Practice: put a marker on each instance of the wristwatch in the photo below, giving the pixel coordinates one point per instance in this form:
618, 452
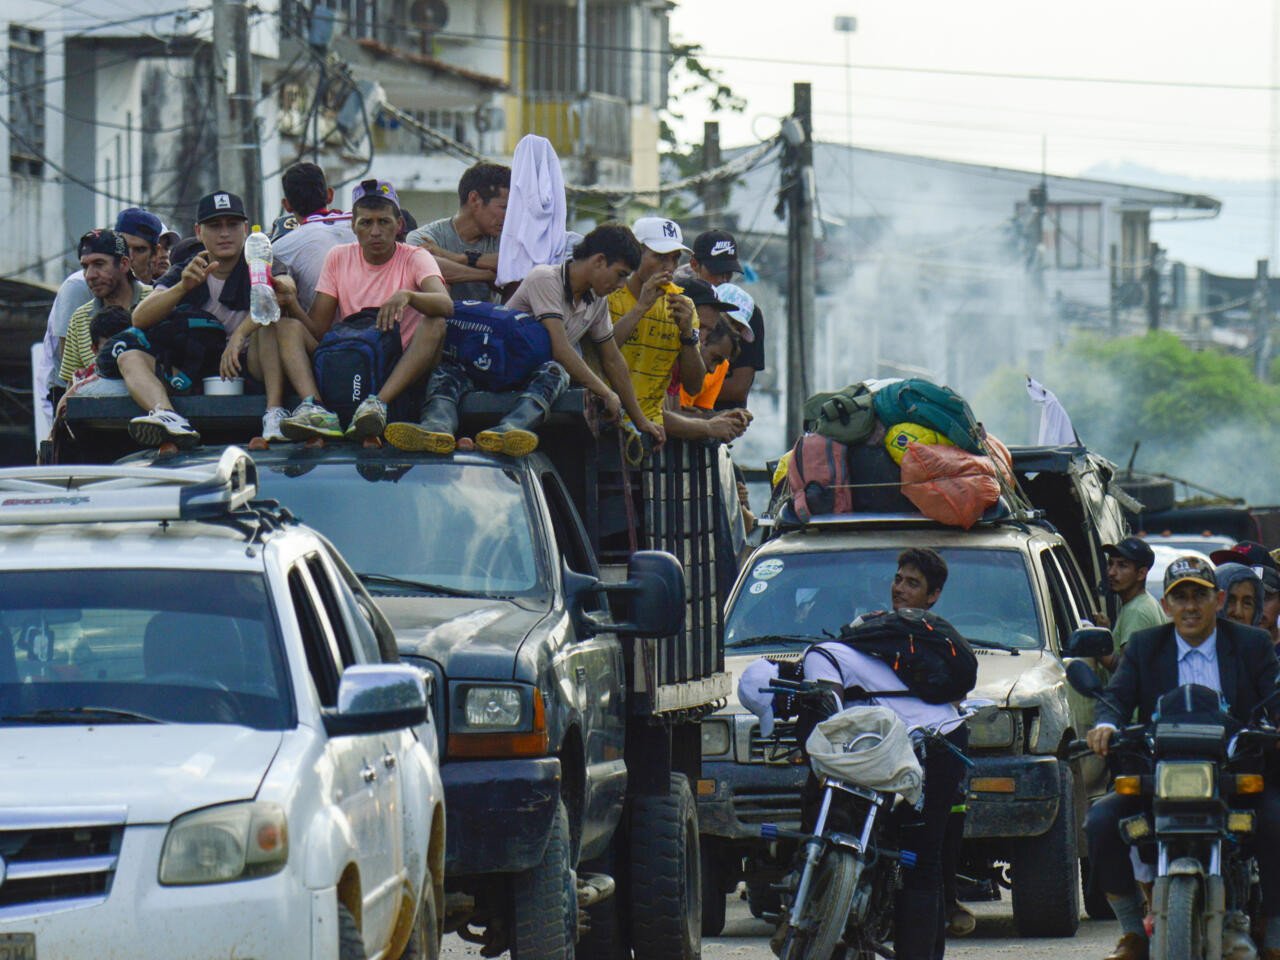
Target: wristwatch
473, 257
690, 340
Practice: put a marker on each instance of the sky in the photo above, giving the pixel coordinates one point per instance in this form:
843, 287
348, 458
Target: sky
1205, 132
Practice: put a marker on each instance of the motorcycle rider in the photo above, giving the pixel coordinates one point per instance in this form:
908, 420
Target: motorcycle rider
1195, 647
919, 912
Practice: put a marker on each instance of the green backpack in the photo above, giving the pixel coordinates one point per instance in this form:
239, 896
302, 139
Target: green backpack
845, 415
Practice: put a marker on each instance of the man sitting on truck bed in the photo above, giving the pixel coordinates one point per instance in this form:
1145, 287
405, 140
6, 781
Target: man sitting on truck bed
196, 318
401, 282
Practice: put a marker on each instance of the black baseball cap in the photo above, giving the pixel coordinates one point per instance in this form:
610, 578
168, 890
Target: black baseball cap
102, 241
717, 251
220, 203
704, 295
1247, 552
1132, 548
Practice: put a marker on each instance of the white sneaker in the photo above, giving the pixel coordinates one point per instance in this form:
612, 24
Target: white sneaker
271, 421
163, 426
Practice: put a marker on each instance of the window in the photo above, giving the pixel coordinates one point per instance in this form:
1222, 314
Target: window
553, 49
332, 608
1073, 235
322, 655
26, 101
1063, 612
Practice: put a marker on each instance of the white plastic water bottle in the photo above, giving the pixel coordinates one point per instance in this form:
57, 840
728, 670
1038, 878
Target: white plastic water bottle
262, 295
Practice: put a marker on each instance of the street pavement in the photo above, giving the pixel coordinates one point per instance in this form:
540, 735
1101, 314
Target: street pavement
746, 938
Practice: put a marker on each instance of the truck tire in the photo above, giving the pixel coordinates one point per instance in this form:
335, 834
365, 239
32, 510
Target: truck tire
424, 941
1184, 925
544, 901
713, 892
350, 941
1046, 878
1096, 904
666, 887
1154, 493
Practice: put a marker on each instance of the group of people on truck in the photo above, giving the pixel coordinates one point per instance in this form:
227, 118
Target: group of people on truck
668, 349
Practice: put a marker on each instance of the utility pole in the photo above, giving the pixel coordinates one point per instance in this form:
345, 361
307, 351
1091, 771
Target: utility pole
245, 100
1261, 309
798, 157
233, 101
227, 177
712, 193
1113, 307
1151, 277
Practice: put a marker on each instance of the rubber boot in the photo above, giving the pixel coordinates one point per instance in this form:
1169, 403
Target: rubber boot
434, 431
515, 435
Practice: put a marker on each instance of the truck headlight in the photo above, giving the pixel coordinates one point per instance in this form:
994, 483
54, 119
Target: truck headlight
715, 738
237, 841
496, 720
493, 708
997, 731
1184, 780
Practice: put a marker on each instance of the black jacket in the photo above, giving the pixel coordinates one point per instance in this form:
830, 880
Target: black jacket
1247, 669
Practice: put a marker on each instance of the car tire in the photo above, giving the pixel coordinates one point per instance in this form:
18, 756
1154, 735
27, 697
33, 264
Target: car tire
544, 900
713, 892
1096, 904
1046, 878
424, 941
350, 940
666, 886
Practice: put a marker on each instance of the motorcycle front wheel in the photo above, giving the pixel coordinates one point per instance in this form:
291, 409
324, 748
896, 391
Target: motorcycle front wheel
827, 908
1184, 926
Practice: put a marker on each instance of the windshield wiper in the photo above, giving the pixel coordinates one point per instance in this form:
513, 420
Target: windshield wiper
772, 638
82, 715
991, 645
417, 586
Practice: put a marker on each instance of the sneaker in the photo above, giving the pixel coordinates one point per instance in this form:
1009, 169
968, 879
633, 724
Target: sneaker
271, 421
163, 426
310, 420
369, 420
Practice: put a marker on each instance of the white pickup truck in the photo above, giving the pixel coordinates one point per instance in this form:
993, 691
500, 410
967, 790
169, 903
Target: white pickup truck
209, 747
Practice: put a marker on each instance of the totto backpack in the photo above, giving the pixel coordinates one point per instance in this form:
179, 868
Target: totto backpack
353, 360
846, 415
818, 476
499, 348
919, 401
925, 651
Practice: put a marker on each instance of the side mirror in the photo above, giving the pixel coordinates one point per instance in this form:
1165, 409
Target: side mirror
650, 602
1090, 642
979, 708
377, 698
1083, 679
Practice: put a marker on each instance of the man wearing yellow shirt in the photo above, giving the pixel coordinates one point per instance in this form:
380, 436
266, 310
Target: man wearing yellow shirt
655, 329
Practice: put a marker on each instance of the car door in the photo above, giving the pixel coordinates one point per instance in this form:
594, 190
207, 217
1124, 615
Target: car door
595, 669
362, 787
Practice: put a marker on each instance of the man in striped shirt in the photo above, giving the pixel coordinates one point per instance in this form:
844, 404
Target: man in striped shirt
104, 256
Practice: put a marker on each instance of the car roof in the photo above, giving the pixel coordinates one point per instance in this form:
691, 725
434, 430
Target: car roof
300, 454
1003, 537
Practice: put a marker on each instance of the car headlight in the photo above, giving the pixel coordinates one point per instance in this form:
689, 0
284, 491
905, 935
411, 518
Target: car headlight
493, 708
715, 738
1184, 780
497, 720
996, 731
237, 841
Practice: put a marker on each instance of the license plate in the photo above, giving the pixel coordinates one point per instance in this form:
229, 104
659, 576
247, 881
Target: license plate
17, 946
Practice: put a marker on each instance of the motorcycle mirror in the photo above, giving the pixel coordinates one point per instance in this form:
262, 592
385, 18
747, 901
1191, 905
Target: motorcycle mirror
1090, 642
1083, 679
979, 708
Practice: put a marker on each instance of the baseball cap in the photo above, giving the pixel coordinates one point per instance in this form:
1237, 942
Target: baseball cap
1246, 552
1132, 548
219, 204
659, 234
102, 241
743, 306
374, 188
717, 251
703, 294
140, 223
1189, 570
759, 673
168, 233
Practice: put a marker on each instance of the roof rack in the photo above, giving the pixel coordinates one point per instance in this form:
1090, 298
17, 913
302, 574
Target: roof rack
1000, 513
87, 493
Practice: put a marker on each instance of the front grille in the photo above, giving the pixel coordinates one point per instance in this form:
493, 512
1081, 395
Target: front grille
57, 858
781, 748
757, 806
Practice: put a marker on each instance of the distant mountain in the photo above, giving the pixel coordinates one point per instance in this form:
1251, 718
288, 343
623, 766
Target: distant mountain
1231, 243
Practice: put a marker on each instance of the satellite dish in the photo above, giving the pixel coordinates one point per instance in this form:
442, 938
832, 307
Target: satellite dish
429, 16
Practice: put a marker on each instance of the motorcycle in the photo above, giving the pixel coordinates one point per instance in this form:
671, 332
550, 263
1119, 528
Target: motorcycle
1198, 769
842, 895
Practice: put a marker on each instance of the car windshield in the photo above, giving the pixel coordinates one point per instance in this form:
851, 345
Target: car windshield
405, 528
790, 599
140, 646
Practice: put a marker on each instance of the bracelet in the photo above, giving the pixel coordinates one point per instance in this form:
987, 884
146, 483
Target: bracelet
691, 340
473, 257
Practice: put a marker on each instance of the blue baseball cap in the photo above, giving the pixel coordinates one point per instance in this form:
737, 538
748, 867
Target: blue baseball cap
140, 223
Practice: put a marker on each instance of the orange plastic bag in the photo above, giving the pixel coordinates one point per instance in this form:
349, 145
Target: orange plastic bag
949, 485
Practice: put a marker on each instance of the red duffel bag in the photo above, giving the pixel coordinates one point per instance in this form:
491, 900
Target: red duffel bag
947, 484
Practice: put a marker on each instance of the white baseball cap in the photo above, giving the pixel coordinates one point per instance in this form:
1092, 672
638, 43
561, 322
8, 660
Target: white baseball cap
759, 674
744, 304
659, 234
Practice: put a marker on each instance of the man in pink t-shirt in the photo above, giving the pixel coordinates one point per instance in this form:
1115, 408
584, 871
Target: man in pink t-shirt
403, 283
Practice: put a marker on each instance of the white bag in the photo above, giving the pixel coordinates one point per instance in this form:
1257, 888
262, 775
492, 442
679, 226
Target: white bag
867, 746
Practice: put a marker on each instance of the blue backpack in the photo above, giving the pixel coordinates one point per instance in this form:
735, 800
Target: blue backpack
353, 360
499, 348
941, 408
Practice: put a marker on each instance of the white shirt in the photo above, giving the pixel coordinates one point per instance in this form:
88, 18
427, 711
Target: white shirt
859, 669
1199, 664
302, 250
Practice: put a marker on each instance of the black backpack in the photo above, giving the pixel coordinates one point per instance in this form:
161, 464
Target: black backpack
925, 651
353, 361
